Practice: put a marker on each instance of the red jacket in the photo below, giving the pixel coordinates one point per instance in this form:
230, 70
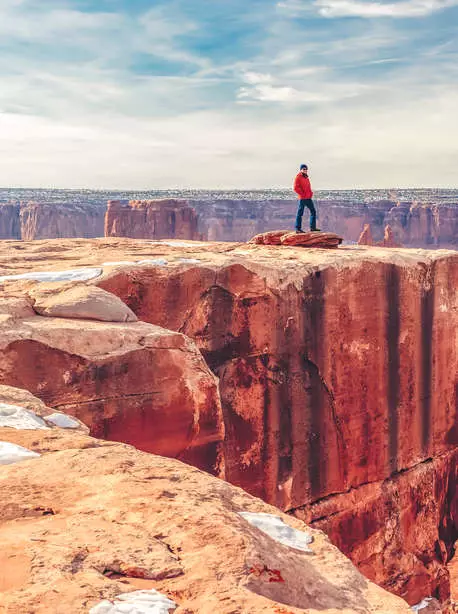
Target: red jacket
302, 186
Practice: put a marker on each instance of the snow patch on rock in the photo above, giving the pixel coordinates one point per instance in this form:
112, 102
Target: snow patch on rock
11, 453
16, 417
189, 260
70, 275
274, 527
63, 421
174, 244
119, 263
138, 602
155, 261
425, 603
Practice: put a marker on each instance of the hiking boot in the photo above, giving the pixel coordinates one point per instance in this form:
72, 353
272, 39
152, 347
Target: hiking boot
315, 229
298, 232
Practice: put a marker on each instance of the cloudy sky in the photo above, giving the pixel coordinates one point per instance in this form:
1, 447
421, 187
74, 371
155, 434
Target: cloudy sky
228, 93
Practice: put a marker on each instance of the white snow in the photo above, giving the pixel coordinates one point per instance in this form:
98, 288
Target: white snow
70, 275
19, 418
174, 244
62, 420
117, 263
274, 527
156, 261
189, 260
138, 602
11, 453
423, 604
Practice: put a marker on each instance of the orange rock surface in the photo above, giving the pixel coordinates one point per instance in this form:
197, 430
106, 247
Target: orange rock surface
90, 520
151, 219
337, 374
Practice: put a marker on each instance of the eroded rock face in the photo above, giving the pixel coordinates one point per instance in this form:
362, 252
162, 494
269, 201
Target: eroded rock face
131, 382
10, 226
333, 374
151, 219
87, 523
56, 220
337, 374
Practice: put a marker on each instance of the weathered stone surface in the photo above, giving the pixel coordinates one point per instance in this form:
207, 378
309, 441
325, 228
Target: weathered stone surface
131, 382
10, 226
323, 240
337, 371
273, 237
56, 220
90, 520
83, 302
151, 219
366, 237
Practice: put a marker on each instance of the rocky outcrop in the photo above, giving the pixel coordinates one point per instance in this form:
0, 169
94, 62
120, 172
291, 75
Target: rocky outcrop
10, 226
366, 237
130, 382
151, 219
323, 240
337, 373
61, 220
86, 524
82, 302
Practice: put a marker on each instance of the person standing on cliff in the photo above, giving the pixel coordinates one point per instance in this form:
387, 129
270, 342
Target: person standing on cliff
303, 190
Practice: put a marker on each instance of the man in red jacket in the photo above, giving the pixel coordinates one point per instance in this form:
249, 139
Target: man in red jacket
303, 189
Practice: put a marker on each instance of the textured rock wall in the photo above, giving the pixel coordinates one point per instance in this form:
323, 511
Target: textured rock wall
151, 219
10, 227
331, 379
84, 522
61, 220
129, 382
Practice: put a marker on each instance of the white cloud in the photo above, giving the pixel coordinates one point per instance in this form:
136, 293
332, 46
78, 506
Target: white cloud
369, 9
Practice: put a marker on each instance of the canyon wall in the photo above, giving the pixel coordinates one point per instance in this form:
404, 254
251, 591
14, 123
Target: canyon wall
413, 224
61, 220
337, 377
333, 376
151, 219
10, 226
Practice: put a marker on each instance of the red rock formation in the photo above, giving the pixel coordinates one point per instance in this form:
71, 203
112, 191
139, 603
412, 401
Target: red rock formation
61, 220
151, 219
129, 382
337, 375
322, 392
90, 520
366, 238
10, 227
388, 238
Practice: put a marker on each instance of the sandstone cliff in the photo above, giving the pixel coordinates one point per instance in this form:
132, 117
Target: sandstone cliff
151, 219
61, 220
86, 524
337, 374
10, 227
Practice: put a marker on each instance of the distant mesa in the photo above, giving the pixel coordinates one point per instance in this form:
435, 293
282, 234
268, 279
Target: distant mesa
151, 219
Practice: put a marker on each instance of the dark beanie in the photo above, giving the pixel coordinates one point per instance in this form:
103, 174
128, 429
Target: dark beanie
303, 166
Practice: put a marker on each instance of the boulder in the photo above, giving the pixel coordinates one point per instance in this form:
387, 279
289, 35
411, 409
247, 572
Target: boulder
83, 302
273, 237
324, 240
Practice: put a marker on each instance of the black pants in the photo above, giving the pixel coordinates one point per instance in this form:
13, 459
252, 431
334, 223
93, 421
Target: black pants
306, 202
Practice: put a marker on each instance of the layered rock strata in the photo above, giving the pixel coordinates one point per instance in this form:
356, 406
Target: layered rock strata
151, 219
131, 382
61, 220
87, 524
337, 373
10, 225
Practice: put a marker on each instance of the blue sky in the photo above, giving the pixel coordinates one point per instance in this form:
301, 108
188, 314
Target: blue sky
228, 93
